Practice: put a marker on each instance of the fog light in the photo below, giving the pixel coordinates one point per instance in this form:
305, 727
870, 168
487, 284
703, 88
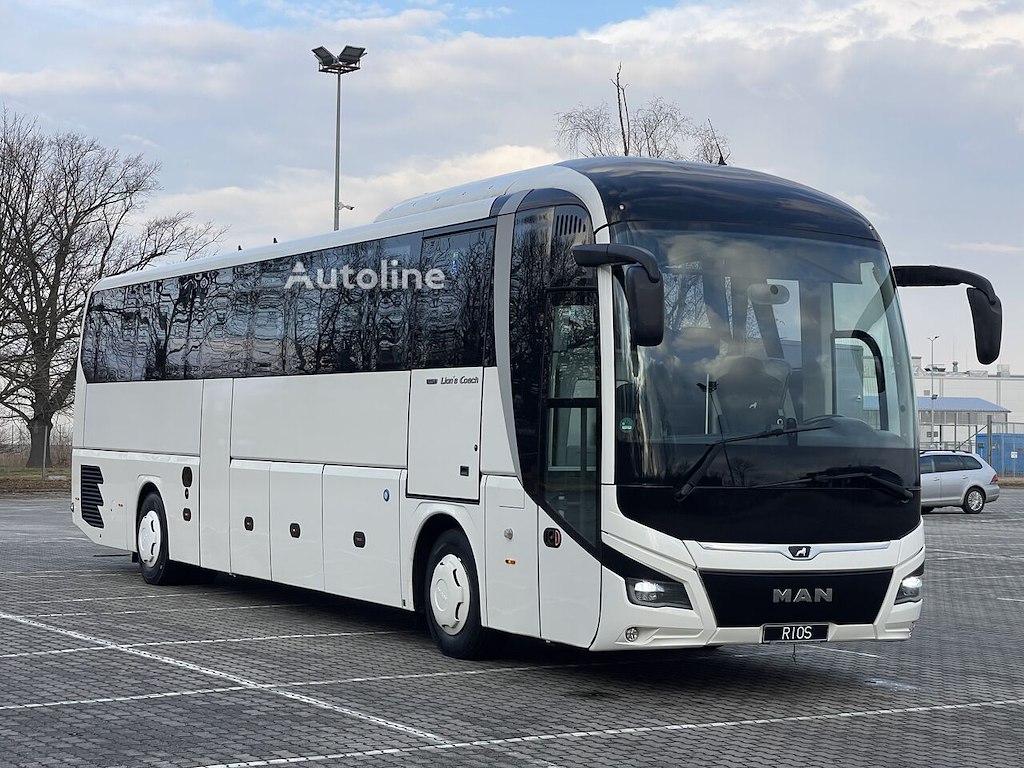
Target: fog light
910, 587
657, 594
632, 634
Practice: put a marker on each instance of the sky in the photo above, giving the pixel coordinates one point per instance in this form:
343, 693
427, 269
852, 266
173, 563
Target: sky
912, 111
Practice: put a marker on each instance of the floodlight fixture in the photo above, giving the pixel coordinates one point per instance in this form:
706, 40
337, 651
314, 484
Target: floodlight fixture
351, 54
325, 57
347, 61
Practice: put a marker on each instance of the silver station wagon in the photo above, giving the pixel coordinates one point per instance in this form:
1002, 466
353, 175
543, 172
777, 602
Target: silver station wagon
957, 479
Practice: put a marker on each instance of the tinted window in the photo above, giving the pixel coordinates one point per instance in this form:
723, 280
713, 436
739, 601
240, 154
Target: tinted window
451, 309
927, 465
969, 462
221, 354
553, 332
946, 463
331, 311
170, 327
266, 322
354, 318
109, 336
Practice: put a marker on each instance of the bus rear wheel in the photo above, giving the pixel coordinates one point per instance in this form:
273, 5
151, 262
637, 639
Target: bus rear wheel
151, 542
452, 598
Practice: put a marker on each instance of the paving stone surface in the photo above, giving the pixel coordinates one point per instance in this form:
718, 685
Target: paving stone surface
99, 669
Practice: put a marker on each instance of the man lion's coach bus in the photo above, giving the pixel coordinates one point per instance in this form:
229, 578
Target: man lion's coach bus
611, 403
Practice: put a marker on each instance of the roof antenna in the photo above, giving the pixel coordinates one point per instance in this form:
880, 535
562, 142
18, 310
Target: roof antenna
721, 158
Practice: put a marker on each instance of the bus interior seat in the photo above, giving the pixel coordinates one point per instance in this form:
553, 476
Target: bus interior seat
683, 377
751, 392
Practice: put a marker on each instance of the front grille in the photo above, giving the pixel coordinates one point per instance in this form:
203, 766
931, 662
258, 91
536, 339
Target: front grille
92, 497
753, 599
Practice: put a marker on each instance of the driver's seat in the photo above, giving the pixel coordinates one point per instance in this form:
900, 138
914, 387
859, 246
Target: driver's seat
751, 398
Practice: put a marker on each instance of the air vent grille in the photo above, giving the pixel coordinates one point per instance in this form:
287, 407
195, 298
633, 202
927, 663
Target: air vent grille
92, 497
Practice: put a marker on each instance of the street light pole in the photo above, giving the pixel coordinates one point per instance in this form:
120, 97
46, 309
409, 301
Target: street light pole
931, 392
345, 62
337, 157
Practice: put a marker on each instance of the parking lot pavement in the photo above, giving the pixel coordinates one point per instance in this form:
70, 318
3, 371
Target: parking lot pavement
99, 669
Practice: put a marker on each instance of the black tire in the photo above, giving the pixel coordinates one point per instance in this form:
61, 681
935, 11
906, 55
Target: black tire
974, 501
151, 543
451, 579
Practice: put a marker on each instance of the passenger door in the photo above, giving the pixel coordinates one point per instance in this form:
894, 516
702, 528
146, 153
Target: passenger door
553, 344
953, 478
570, 574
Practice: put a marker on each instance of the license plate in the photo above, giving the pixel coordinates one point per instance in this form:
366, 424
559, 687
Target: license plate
794, 633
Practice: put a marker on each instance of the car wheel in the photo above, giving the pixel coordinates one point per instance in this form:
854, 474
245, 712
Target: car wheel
151, 542
974, 501
452, 598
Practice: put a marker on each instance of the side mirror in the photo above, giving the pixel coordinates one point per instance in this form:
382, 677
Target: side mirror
646, 302
644, 288
986, 308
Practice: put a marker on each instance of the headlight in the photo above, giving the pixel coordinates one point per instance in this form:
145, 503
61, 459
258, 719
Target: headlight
657, 594
910, 587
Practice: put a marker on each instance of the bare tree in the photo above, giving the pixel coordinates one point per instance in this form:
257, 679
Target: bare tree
657, 129
67, 210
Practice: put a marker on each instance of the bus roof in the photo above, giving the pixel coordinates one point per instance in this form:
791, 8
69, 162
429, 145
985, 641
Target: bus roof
614, 189
638, 189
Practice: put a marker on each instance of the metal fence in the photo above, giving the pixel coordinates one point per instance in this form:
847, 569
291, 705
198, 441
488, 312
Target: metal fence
1002, 446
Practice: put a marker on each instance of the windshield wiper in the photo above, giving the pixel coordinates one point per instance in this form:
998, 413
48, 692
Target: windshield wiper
830, 475
696, 472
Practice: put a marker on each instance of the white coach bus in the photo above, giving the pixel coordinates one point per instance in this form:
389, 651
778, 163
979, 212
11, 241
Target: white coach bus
612, 403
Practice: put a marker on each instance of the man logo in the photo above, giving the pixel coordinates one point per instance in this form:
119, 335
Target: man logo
800, 553
802, 595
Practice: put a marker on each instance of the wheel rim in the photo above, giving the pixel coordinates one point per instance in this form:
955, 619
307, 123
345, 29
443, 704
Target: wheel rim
449, 594
974, 500
150, 538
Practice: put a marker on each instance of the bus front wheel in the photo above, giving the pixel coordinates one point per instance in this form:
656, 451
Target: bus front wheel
452, 598
151, 542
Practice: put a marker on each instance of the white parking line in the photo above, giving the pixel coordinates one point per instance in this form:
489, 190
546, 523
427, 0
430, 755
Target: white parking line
612, 732
843, 650
55, 574
207, 641
121, 597
165, 610
29, 536
24, 575
969, 555
238, 680
110, 699
269, 686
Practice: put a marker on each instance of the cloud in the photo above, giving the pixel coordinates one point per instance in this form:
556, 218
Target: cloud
485, 14
863, 204
910, 110
1001, 248
764, 24
296, 202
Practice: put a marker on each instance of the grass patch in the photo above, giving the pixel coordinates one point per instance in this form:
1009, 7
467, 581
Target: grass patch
22, 480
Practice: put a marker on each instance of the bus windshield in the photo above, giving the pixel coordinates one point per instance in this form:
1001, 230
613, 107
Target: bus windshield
787, 351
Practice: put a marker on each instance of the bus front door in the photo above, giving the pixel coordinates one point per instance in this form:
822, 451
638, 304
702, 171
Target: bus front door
568, 529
